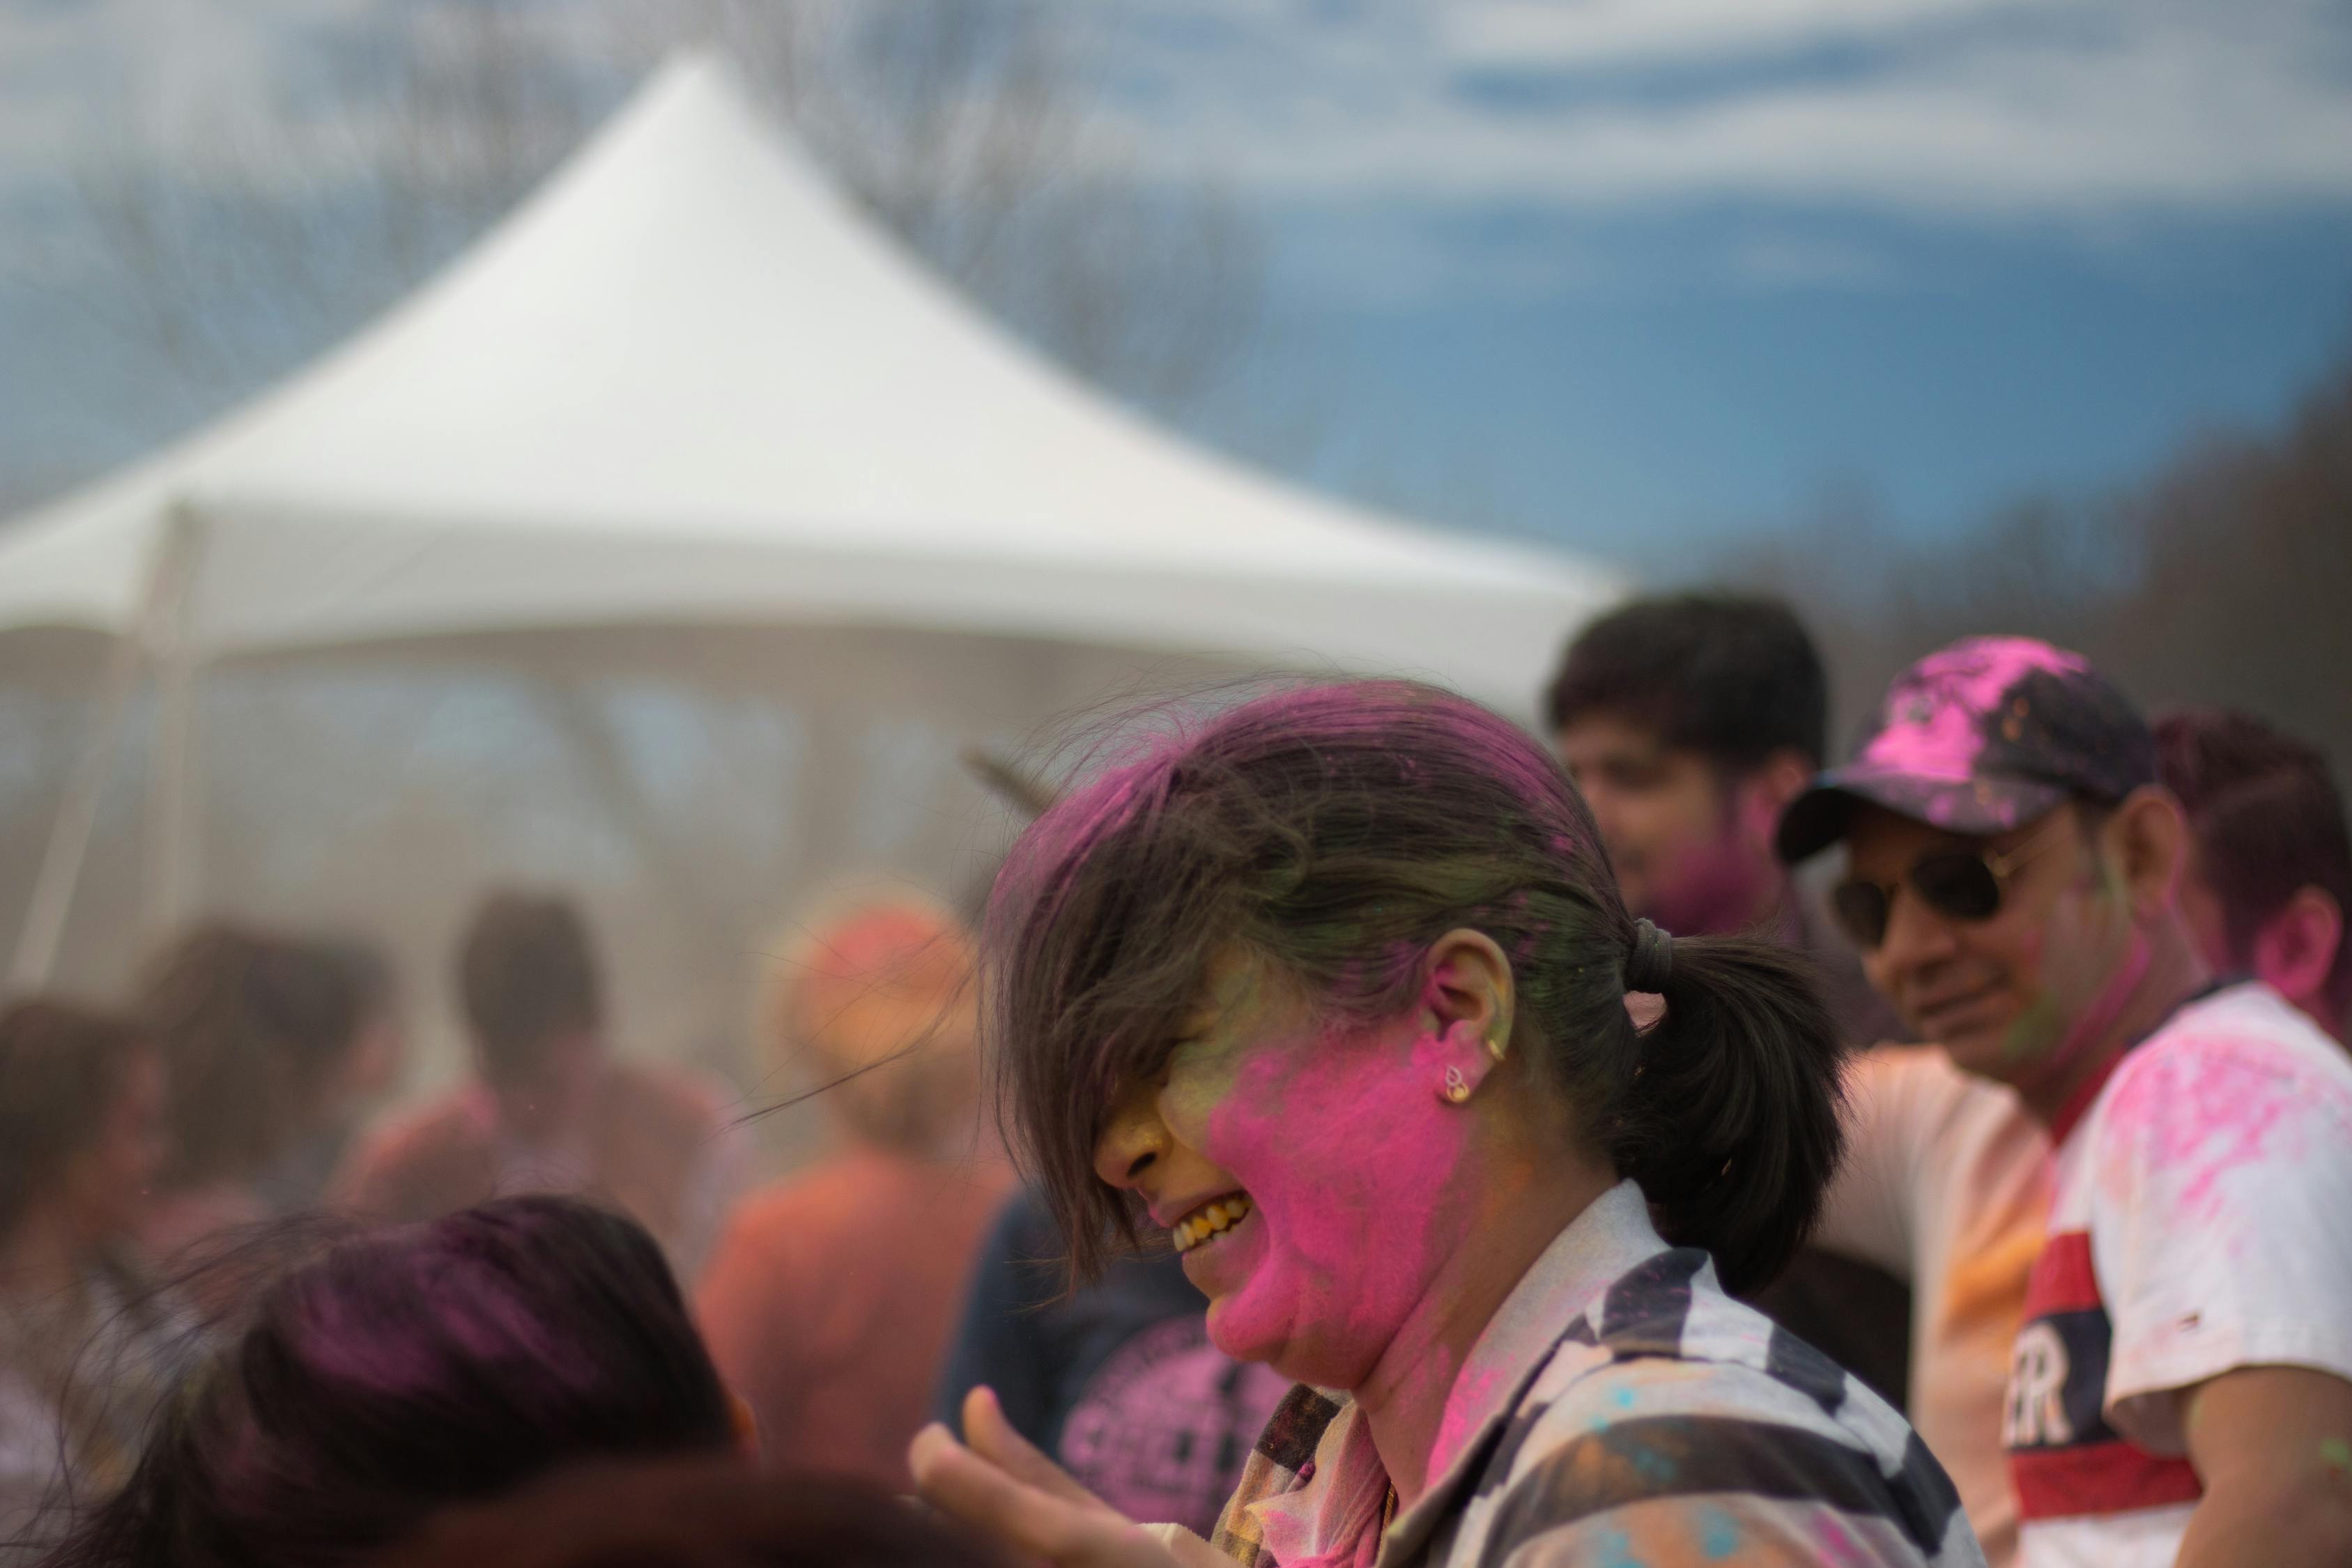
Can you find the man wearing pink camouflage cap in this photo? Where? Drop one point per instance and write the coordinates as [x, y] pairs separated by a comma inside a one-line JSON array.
[[2181, 1391]]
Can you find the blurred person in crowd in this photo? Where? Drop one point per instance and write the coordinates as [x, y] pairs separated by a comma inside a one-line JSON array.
[[551, 1108], [1332, 989], [829, 1297], [395, 1372], [84, 1338], [1945, 1185], [2270, 864], [1689, 723], [2181, 1391], [693, 1513], [251, 1025], [359, 1047]]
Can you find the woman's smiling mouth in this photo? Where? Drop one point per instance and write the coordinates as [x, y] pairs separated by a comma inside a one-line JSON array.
[[1209, 1221]]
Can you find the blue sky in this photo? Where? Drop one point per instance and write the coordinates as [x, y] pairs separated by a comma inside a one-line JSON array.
[[1637, 275]]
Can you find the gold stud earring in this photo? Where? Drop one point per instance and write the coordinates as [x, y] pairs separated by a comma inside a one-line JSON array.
[[1457, 1088], [1494, 1049]]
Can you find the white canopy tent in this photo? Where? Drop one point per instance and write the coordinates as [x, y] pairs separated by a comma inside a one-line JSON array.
[[685, 387]]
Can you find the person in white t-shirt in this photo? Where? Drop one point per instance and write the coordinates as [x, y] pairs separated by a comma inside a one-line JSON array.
[[2180, 1392]]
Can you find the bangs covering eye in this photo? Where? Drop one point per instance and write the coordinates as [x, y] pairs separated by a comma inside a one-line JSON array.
[[1331, 833]]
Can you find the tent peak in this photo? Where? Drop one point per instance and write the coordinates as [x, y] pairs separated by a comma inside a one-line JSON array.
[[691, 380]]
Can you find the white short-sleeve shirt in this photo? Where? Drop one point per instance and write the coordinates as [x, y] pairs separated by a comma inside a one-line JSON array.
[[2200, 1221]]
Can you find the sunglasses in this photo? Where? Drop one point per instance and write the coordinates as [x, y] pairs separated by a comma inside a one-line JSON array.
[[1961, 884]]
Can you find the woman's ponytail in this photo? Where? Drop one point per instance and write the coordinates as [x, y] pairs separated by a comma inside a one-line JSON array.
[[1731, 1121]]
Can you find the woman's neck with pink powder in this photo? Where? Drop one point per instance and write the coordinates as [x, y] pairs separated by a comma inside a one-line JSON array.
[[1523, 1210]]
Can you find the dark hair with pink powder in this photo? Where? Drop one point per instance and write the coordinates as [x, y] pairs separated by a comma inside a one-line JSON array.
[[1334, 833], [403, 1370]]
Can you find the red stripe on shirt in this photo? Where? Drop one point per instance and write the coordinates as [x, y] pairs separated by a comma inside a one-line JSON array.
[[2097, 1477], [2061, 1280]]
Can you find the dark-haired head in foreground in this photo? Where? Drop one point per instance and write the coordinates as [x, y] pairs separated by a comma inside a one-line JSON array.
[[692, 1514], [2269, 884], [1332, 991], [403, 1370]]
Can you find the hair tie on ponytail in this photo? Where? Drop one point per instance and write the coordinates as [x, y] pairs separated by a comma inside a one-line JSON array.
[[1650, 964]]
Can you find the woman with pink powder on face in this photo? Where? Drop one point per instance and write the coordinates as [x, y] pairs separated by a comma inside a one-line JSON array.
[[1332, 994]]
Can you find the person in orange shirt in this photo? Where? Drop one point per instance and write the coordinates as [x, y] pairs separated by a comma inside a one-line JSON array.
[[829, 1299]]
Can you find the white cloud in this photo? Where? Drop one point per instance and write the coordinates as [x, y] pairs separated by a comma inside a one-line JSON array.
[[1523, 33], [2162, 104], [1981, 111]]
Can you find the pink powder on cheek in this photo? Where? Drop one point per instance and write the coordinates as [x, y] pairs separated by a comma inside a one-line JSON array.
[[1353, 1166]]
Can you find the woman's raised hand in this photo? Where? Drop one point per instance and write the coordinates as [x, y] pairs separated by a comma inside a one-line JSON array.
[[1000, 1483]]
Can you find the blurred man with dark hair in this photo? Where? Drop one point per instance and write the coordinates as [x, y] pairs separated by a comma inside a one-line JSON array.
[[552, 1109], [1689, 723], [2270, 866]]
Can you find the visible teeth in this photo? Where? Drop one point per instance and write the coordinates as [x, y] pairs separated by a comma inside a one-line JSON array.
[[1210, 1219]]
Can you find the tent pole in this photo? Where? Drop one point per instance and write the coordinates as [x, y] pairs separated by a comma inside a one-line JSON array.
[[68, 843], [171, 838]]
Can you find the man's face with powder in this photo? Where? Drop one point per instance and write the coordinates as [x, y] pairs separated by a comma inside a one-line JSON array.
[[2002, 995], [1689, 839]]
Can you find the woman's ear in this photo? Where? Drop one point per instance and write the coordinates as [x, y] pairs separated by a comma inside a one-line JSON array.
[[1468, 982], [1465, 1013]]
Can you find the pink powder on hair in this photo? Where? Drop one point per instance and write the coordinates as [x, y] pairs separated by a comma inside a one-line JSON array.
[[1933, 718]]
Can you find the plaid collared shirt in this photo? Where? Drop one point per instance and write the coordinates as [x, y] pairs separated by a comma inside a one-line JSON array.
[[1620, 1409]]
